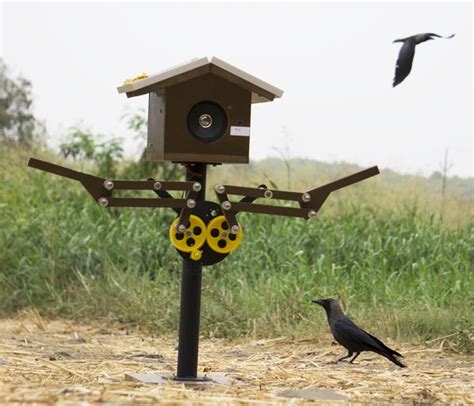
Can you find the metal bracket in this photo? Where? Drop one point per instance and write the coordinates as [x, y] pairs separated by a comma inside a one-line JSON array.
[[102, 189], [310, 202]]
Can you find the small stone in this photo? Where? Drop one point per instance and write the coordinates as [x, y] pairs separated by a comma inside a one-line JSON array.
[[76, 340], [145, 378], [60, 355], [312, 394], [239, 353]]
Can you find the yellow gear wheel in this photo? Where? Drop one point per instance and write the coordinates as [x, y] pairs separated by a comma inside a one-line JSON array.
[[192, 238], [219, 237]]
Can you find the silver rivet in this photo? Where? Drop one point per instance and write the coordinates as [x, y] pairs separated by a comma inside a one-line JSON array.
[[268, 194], [196, 186], [306, 197], [181, 228], [191, 203], [157, 186], [226, 205], [235, 229], [311, 214], [108, 184], [103, 201], [219, 189]]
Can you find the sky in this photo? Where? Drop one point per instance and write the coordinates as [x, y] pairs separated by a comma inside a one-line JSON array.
[[334, 61]]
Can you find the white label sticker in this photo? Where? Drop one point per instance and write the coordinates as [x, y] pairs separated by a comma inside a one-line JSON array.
[[240, 131]]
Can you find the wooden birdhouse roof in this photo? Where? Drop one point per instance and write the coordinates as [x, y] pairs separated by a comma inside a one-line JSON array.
[[261, 91]]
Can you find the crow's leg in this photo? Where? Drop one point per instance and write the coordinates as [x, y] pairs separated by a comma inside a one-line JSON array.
[[355, 356], [345, 357]]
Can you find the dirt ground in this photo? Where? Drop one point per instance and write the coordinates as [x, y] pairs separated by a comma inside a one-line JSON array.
[[66, 363]]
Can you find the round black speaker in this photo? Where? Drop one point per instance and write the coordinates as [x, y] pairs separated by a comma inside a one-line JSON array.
[[207, 121]]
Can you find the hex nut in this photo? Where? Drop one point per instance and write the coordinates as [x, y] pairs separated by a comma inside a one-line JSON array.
[[226, 205], [103, 201], [268, 194], [108, 184], [311, 214], [235, 229]]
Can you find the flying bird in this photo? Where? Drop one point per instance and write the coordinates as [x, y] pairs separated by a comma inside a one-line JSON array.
[[407, 52], [352, 337]]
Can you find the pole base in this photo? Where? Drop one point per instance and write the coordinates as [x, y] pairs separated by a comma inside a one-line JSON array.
[[203, 380], [191, 379]]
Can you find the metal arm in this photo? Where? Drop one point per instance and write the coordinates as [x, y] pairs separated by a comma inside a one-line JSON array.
[[102, 189], [310, 202]]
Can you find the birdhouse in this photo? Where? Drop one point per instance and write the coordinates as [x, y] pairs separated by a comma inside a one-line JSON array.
[[200, 111]]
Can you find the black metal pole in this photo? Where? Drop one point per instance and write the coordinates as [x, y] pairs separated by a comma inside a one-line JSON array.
[[190, 309]]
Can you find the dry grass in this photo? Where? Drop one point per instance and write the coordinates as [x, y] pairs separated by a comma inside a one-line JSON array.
[[62, 362]]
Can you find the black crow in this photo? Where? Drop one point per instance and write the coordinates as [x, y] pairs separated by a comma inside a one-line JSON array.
[[407, 52], [355, 339]]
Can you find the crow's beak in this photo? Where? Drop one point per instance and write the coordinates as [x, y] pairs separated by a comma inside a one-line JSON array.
[[319, 302]]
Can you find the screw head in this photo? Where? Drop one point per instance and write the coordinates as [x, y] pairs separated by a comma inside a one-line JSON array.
[[219, 189], [157, 186], [103, 201], [311, 214], [268, 194], [108, 184], [181, 228], [196, 186], [205, 120], [226, 205], [306, 197], [191, 203], [235, 229]]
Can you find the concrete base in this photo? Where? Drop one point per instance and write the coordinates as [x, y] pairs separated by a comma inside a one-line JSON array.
[[203, 380]]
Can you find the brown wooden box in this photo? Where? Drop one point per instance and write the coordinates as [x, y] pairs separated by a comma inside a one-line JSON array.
[[174, 93]]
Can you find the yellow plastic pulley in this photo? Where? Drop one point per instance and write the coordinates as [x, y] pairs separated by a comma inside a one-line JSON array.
[[220, 238], [191, 239]]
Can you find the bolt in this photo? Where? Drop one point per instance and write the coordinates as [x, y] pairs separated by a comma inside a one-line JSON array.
[[235, 229], [226, 205], [196, 255], [103, 201], [311, 214], [196, 186], [108, 184], [157, 186], [224, 234], [189, 233], [219, 189], [191, 203], [181, 228], [268, 194], [306, 197]]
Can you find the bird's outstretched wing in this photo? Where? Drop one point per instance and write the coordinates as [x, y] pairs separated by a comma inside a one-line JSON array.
[[404, 62], [440, 36]]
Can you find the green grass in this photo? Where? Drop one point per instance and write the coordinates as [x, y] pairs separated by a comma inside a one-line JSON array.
[[400, 269]]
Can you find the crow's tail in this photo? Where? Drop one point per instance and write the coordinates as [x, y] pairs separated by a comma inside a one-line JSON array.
[[394, 360]]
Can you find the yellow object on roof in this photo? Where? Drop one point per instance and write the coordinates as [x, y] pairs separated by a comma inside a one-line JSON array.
[[141, 76]]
